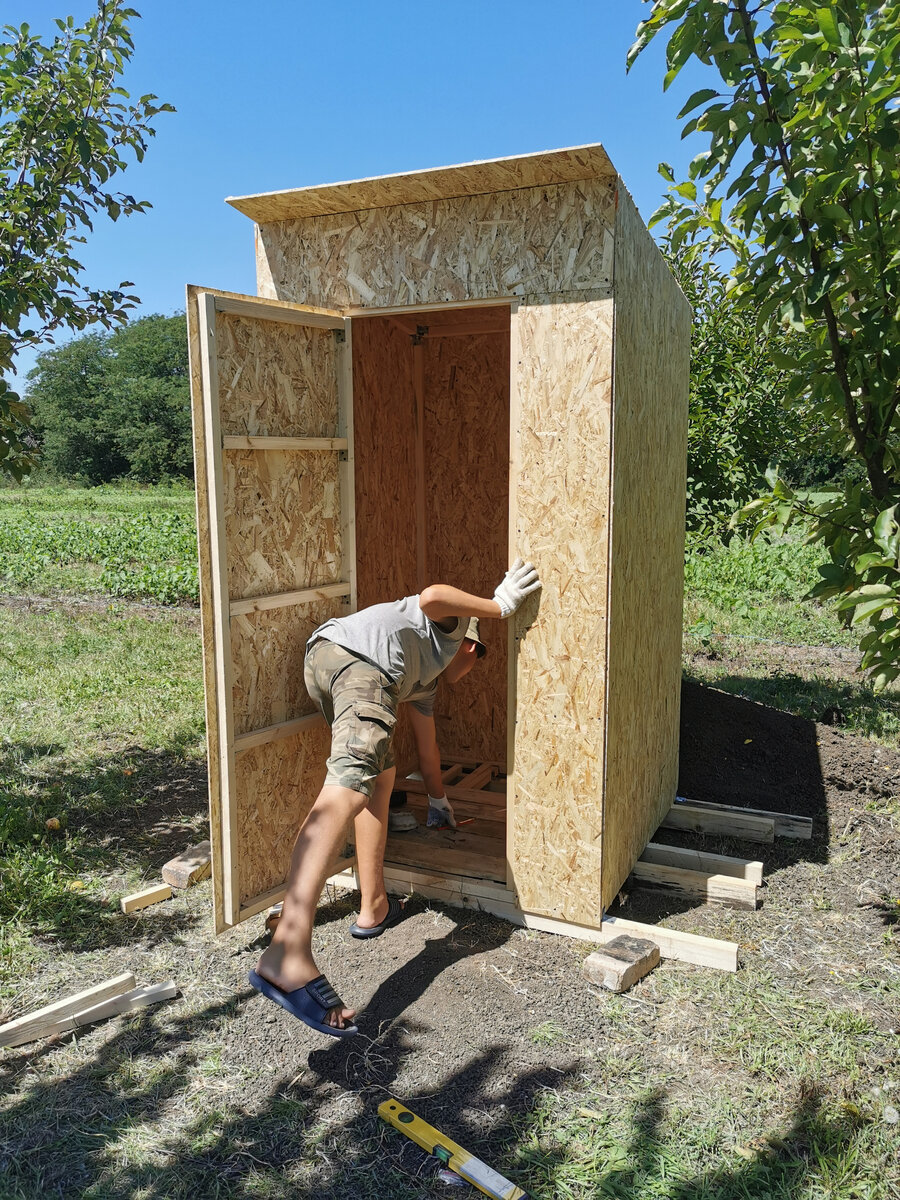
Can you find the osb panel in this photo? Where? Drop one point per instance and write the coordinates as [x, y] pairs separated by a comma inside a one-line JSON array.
[[276, 785], [206, 604], [530, 170], [535, 240], [467, 529], [282, 520], [652, 324], [384, 429], [276, 379], [267, 651], [562, 365]]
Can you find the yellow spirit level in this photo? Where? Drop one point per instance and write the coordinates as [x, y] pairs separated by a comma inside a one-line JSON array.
[[472, 1169]]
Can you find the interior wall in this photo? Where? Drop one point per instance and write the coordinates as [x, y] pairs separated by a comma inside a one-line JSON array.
[[461, 422]]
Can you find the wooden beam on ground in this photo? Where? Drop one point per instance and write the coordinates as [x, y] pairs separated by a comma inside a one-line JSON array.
[[144, 899], [735, 824], [699, 860], [15, 1033], [720, 889], [674, 943], [786, 824], [188, 867]]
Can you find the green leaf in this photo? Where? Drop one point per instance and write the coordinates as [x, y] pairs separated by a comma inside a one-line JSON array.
[[828, 26]]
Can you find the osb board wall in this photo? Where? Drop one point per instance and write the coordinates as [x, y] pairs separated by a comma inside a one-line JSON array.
[[384, 429], [283, 520], [276, 785], [652, 359], [206, 612], [276, 379], [282, 525], [562, 380], [531, 241], [466, 435], [267, 650]]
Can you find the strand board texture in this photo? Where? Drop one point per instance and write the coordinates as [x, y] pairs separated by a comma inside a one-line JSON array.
[[535, 241], [433, 425], [269, 522], [650, 397], [500, 175]]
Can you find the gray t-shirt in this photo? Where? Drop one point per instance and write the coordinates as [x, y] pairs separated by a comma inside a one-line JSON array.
[[400, 640]]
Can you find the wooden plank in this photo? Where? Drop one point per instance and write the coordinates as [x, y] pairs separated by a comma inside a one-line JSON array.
[[219, 605], [347, 476], [736, 824], [455, 853], [719, 889], [786, 824], [152, 895], [137, 998], [188, 867], [452, 773], [476, 779], [699, 860], [275, 733], [675, 943], [326, 591], [284, 313], [443, 331], [481, 796], [27, 1028], [400, 878], [465, 179], [207, 618], [238, 442]]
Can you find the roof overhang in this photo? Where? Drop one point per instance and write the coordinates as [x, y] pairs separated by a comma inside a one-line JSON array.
[[439, 183]]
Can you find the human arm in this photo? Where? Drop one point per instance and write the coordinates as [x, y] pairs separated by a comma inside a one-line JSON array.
[[439, 810], [440, 601]]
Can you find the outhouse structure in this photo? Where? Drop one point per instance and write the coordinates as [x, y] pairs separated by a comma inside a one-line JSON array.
[[444, 370]]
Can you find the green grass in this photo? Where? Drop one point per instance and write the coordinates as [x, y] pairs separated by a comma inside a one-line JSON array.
[[109, 541], [91, 705]]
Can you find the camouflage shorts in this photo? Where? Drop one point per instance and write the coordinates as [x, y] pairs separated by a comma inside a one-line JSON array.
[[359, 702]]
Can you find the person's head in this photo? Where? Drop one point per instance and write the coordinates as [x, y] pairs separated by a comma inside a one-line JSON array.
[[470, 650]]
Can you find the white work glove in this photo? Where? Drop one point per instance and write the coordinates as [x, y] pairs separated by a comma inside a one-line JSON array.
[[440, 812], [519, 581]]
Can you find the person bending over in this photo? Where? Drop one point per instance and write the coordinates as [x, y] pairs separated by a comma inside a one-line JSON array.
[[357, 670]]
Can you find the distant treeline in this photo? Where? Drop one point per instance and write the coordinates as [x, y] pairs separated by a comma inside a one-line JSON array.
[[116, 405]]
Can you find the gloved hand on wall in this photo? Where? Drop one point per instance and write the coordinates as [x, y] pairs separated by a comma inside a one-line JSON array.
[[519, 581]]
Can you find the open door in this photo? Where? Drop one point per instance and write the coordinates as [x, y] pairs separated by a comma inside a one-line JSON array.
[[273, 441]]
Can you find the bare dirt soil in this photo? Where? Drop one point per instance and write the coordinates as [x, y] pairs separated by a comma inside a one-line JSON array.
[[489, 1031]]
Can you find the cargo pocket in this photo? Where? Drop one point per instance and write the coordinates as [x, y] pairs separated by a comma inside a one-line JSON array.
[[371, 733]]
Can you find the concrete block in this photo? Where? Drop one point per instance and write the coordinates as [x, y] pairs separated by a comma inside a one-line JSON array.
[[621, 962]]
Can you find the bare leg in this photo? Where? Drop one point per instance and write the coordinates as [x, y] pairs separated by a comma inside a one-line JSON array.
[[288, 961], [370, 831]]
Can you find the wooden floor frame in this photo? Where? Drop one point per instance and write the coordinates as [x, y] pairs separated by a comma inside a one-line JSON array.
[[711, 877]]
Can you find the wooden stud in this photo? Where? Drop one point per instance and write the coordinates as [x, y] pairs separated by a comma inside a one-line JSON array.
[[786, 824], [675, 943], [347, 472], [240, 442], [736, 823], [284, 313], [419, 392], [476, 779], [252, 604], [275, 733], [699, 860], [27, 1028], [189, 867], [152, 895], [720, 889]]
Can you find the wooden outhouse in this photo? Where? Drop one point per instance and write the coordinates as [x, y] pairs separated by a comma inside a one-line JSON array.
[[443, 370]]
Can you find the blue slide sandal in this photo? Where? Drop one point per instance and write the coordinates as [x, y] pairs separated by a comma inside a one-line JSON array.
[[394, 914], [310, 1004]]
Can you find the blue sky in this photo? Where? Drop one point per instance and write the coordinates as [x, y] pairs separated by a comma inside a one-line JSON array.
[[281, 94]]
